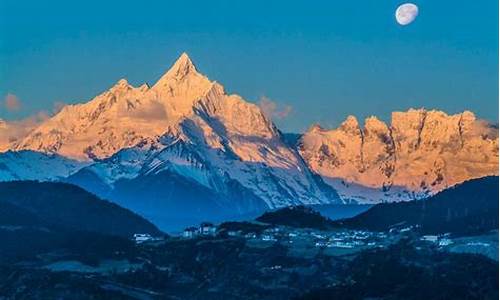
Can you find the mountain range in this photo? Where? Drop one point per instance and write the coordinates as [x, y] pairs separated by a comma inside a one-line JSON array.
[[184, 146], [418, 154]]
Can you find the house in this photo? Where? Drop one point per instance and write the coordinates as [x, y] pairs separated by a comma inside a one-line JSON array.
[[430, 238], [341, 245], [406, 229], [234, 233], [142, 237], [445, 242], [320, 244], [251, 235], [190, 232], [268, 238], [207, 228], [318, 236]]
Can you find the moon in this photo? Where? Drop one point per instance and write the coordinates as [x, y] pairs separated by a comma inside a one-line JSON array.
[[406, 13]]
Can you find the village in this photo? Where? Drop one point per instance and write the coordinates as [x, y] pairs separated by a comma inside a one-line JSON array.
[[335, 241], [320, 238]]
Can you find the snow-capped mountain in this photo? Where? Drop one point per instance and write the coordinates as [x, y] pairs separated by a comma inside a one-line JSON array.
[[420, 153], [31, 165], [184, 145], [184, 129]]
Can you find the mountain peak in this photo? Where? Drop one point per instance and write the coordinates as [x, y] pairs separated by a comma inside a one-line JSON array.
[[122, 82], [315, 128], [182, 66], [121, 85], [350, 124], [183, 70], [374, 123], [184, 57]]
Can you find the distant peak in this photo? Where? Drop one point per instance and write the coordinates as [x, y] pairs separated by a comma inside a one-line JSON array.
[[373, 122], [144, 87], [315, 128], [182, 66], [122, 84], [468, 115], [184, 57], [350, 122]]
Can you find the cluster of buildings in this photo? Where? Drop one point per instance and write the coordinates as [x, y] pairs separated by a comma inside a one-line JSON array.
[[316, 238], [140, 238], [441, 240], [349, 239], [205, 229]]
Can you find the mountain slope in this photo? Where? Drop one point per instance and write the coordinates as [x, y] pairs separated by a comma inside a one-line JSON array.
[[469, 207], [68, 207], [420, 153], [121, 117], [188, 127], [32, 165]]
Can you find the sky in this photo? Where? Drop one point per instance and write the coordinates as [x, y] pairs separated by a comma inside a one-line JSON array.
[[310, 61]]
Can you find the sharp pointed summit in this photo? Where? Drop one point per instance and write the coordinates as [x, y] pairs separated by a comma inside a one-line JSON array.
[[182, 78], [182, 67], [188, 126]]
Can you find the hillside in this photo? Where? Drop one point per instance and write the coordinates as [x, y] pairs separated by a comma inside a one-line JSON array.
[[296, 216], [471, 207], [66, 207]]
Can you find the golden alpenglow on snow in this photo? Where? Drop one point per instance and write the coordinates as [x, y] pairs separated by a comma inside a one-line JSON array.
[[250, 150], [128, 132], [420, 153]]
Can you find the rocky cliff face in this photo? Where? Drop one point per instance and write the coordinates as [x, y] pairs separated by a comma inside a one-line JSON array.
[[420, 153]]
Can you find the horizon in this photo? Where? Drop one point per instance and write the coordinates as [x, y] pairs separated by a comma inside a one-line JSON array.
[[309, 71]]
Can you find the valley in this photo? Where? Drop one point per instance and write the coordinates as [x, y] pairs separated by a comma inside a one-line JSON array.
[[288, 253], [280, 262]]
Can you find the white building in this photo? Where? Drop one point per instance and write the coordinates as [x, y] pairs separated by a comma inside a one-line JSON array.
[[190, 232], [142, 237], [268, 238], [207, 229], [445, 242], [234, 233], [430, 238]]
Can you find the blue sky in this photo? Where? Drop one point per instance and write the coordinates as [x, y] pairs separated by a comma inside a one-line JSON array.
[[325, 59]]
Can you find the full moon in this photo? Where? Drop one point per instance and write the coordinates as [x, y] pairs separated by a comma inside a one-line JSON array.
[[406, 13]]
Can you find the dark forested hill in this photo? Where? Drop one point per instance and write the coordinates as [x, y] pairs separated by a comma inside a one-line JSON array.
[[471, 207], [296, 216], [65, 206]]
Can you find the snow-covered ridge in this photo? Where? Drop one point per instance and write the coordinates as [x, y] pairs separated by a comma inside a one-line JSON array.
[[30, 165], [121, 117], [184, 124], [420, 153]]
